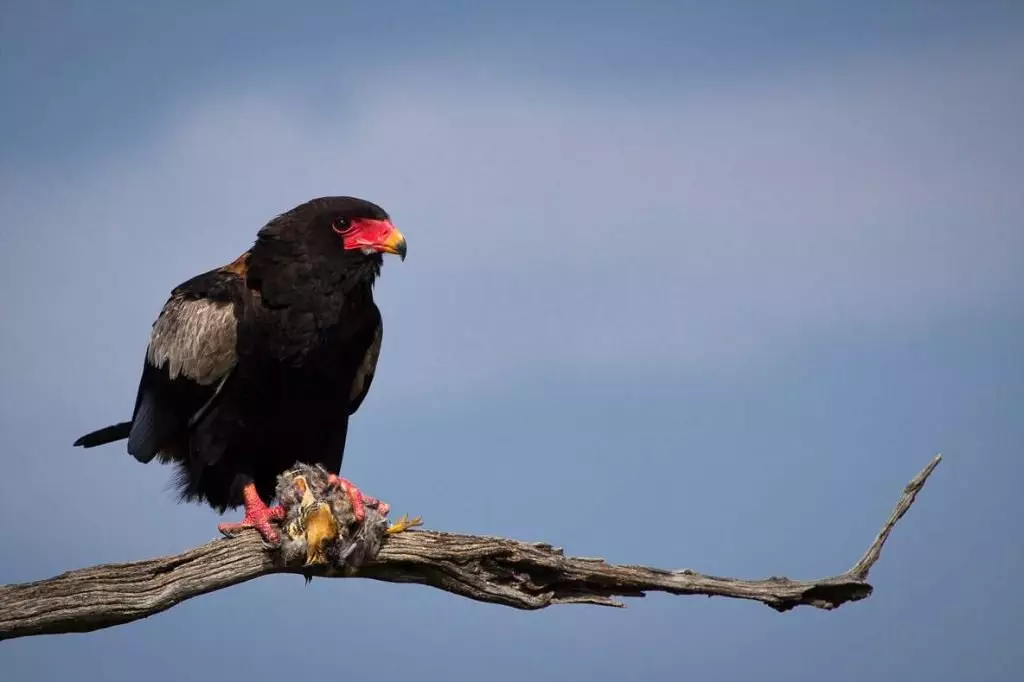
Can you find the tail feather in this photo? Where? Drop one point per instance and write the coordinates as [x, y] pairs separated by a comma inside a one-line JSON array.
[[107, 434]]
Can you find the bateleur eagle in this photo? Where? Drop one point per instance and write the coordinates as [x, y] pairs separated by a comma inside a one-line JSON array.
[[259, 364]]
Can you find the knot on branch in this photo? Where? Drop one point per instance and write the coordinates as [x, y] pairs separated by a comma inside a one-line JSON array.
[[320, 529]]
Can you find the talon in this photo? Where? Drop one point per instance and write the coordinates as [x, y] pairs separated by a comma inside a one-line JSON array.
[[355, 496], [257, 515], [373, 503], [357, 499], [403, 524]]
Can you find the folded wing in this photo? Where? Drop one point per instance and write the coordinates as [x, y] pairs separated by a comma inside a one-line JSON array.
[[191, 354], [368, 367]]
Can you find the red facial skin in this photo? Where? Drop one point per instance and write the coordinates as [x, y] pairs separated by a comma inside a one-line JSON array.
[[367, 233]]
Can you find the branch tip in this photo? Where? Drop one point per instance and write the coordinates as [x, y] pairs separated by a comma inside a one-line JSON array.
[[863, 566]]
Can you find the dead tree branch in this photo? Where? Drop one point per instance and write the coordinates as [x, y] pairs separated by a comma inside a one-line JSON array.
[[501, 571]]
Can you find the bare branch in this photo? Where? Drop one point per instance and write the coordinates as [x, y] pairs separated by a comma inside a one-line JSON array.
[[863, 566], [496, 570]]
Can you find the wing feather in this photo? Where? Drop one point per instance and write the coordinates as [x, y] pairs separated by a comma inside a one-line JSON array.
[[367, 369], [194, 338], [191, 354]]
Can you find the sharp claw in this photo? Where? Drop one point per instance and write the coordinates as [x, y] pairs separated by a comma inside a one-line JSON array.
[[359, 501], [355, 496], [228, 530], [373, 503], [231, 530]]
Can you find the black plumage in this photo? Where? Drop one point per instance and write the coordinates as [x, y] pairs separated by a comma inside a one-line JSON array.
[[259, 364]]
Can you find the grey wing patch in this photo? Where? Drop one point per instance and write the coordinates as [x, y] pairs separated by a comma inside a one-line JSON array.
[[195, 338], [364, 373]]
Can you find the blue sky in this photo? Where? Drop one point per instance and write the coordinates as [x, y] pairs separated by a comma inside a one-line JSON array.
[[755, 262]]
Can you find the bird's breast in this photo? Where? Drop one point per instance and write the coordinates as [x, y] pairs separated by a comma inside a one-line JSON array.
[[321, 346]]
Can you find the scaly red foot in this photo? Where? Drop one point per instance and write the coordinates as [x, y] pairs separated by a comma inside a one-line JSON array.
[[357, 499], [257, 515]]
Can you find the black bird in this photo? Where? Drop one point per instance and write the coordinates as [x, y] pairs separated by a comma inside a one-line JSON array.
[[259, 364]]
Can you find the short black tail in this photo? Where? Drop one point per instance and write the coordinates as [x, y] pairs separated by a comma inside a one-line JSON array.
[[107, 434]]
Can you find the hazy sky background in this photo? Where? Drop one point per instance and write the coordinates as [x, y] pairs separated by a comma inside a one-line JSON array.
[[755, 263]]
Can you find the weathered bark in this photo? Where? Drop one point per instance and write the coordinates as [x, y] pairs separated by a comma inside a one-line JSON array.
[[501, 571]]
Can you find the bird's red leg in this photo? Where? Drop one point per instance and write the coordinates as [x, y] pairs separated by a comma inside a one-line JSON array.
[[357, 499], [373, 503], [257, 515]]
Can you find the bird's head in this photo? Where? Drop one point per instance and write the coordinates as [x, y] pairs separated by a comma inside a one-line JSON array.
[[341, 228], [329, 240], [364, 227]]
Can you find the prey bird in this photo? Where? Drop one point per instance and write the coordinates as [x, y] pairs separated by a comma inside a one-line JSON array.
[[259, 364]]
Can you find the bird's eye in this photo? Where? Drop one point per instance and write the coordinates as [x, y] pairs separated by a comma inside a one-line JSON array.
[[340, 225]]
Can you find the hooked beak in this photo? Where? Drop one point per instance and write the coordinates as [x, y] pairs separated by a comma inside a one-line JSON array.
[[373, 235], [394, 243]]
